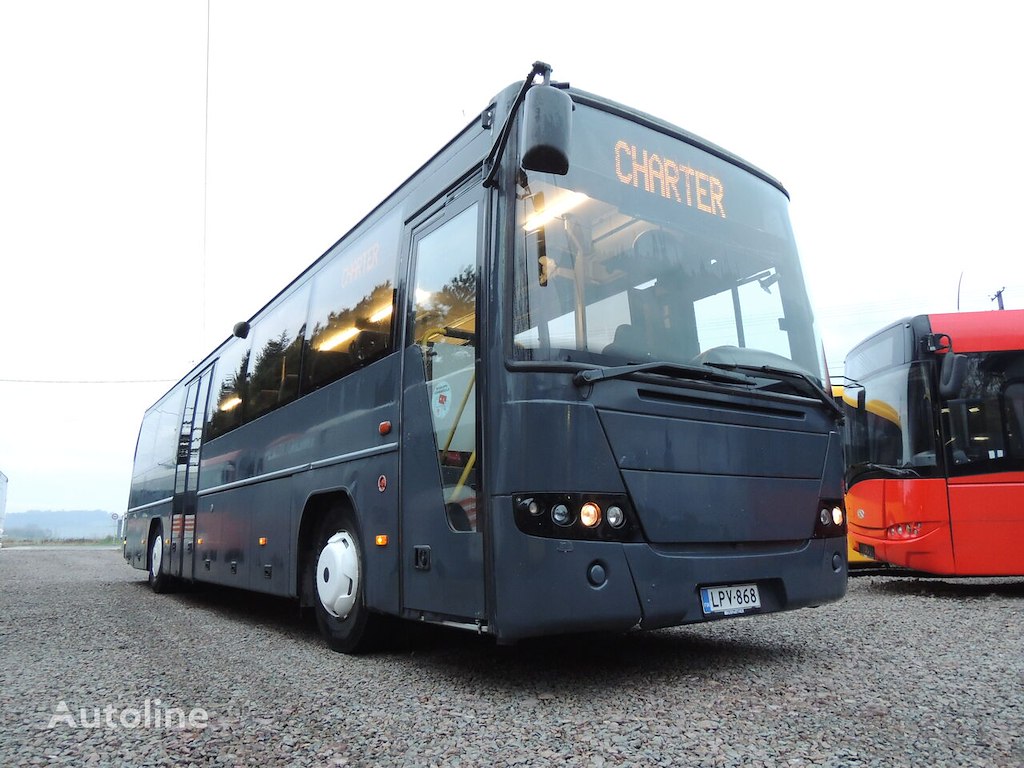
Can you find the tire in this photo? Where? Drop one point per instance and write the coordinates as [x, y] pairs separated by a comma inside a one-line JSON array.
[[159, 580], [338, 574]]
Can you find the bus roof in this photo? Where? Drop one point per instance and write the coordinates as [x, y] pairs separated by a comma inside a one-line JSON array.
[[990, 331]]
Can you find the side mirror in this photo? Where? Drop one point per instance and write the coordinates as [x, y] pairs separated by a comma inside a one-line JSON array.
[[241, 329], [547, 126], [952, 373]]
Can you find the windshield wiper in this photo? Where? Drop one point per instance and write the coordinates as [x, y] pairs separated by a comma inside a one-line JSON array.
[[869, 466], [677, 370], [789, 375]]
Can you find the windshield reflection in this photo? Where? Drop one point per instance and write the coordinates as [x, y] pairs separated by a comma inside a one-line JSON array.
[[597, 284]]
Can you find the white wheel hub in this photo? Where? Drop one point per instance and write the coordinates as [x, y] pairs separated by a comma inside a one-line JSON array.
[[337, 575], [156, 555]]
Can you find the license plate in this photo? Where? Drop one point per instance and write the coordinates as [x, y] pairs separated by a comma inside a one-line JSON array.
[[729, 599]]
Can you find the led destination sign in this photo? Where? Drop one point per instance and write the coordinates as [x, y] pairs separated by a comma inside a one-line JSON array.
[[670, 179]]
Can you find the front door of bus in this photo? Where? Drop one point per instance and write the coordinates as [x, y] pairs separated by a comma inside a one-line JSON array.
[[186, 476], [442, 558]]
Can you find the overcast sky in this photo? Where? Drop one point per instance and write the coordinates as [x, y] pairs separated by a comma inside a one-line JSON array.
[[151, 195]]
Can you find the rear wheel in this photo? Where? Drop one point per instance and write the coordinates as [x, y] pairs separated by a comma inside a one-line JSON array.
[[339, 575], [158, 580]]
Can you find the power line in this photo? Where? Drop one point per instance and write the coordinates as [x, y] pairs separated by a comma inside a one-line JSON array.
[[206, 177]]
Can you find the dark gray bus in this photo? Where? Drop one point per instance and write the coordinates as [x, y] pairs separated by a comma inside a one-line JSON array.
[[565, 378]]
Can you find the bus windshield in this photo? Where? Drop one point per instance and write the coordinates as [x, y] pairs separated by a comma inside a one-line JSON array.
[[889, 421], [651, 249]]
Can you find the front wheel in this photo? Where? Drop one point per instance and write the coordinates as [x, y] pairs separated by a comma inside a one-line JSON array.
[[339, 576], [158, 580]]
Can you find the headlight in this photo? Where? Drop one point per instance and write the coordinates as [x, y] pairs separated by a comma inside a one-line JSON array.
[[590, 514], [830, 520], [587, 516], [560, 514]]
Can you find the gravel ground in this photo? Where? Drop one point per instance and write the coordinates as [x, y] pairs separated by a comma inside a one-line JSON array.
[[903, 672]]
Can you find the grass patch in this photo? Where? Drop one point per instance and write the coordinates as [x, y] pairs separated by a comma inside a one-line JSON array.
[[106, 541]]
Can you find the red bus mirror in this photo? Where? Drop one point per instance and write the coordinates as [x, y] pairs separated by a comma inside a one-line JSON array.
[[952, 373]]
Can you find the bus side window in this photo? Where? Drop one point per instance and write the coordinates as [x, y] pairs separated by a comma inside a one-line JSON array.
[[352, 303], [153, 473], [231, 389], [444, 327], [277, 341]]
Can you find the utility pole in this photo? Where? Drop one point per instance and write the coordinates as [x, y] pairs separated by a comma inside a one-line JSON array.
[[999, 297]]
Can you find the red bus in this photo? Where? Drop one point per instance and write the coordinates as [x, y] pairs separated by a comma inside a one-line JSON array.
[[935, 444]]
